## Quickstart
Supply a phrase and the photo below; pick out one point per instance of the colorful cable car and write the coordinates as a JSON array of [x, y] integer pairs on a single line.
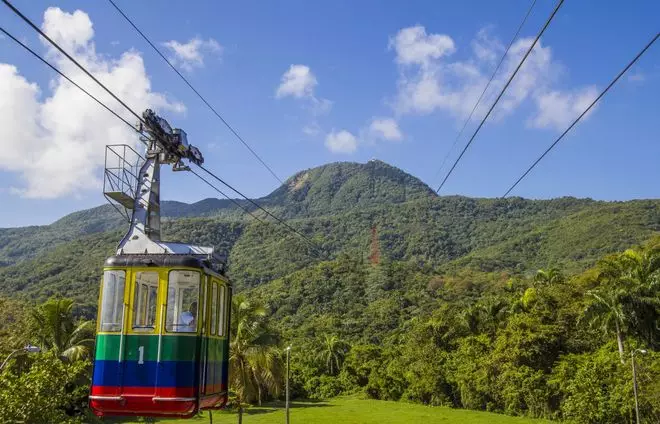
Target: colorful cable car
[[162, 344]]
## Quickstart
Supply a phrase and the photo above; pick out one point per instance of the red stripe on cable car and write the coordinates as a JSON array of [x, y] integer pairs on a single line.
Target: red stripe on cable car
[[172, 392]]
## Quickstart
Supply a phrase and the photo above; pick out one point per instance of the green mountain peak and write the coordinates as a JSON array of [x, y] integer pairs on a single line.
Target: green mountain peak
[[342, 186]]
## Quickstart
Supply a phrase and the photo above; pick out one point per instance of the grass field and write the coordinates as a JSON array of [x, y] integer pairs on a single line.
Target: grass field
[[348, 410]]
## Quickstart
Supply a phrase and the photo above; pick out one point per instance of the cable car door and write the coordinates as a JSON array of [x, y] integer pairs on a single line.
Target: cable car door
[[141, 342]]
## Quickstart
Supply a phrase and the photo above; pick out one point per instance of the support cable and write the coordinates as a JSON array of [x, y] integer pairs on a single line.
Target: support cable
[[258, 206], [227, 197], [38, 30], [35, 54], [531, 47], [215, 112], [469, 118], [128, 124], [68, 56], [582, 114]]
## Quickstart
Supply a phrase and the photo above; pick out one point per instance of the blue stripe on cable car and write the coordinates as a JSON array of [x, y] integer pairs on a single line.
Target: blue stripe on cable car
[[172, 373]]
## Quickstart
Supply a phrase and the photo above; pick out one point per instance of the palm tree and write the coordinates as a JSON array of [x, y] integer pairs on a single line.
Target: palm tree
[[628, 297], [333, 353], [549, 276], [607, 311], [640, 272], [56, 329], [254, 362]]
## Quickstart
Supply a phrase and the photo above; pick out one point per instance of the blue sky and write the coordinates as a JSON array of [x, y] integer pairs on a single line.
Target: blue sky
[[387, 80]]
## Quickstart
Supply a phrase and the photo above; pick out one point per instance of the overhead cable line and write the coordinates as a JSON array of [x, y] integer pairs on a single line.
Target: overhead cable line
[[35, 54], [258, 206], [63, 75], [215, 112], [36, 28], [531, 47], [68, 56], [469, 118], [583, 113], [226, 196]]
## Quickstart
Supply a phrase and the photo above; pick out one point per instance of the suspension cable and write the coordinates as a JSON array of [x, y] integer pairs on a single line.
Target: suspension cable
[[582, 114], [128, 124], [215, 112], [531, 47], [469, 118]]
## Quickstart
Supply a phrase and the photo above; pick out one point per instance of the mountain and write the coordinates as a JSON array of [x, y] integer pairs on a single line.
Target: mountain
[[344, 186], [341, 208]]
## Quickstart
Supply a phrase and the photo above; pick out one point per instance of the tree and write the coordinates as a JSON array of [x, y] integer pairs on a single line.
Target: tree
[[628, 296], [56, 329], [255, 363], [606, 310], [549, 276], [640, 270], [333, 353], [48, 392]]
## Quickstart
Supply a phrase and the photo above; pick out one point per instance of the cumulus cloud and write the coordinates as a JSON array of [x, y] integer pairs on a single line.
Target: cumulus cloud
[[55, 137], [341, 142], [298, 81], [431, 81], [558, 109], [414, 46], [190, 55], [386, 129]]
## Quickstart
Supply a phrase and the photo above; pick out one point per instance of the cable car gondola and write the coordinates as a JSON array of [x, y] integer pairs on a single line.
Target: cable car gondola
[[162, 343]]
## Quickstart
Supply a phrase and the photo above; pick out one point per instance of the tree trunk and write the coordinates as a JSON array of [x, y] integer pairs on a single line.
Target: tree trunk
[[619, 340], [240, 414], [259, 392]]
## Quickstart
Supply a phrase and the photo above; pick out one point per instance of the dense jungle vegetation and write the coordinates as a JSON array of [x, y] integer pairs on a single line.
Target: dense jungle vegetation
[[523, 307]]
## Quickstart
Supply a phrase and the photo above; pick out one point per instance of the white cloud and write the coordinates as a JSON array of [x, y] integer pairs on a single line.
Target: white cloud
[[319, 107], [56, 139], [298, 81], [558, 109], [72, 31], [341, 142], [414, 46], [190, 55], [311, 129], [385, 128], [431, 81], [454, 86]]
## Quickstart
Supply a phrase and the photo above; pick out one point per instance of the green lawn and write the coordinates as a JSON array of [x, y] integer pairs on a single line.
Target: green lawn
[[348, 410]]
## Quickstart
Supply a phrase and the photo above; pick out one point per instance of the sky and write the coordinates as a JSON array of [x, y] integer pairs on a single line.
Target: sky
[[308, 83]]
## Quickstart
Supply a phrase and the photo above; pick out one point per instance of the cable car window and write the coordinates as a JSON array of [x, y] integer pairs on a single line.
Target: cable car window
[[112, 300], [182, 301], [144, 302], [214, 307], [221, 311]]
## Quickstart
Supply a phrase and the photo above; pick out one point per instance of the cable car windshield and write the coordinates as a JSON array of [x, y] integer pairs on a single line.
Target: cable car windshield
[[182, 301], [112, 300], [144, 302]]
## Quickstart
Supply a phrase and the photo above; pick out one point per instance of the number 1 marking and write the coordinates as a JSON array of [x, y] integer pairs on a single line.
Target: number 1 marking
[[141, 358]]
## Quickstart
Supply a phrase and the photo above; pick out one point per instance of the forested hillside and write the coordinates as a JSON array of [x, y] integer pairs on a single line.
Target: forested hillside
[[507, 305], [340, 207]]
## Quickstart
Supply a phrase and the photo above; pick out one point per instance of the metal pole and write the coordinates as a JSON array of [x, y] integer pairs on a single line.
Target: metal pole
[[288, 364], [632, 356], [26, 349]]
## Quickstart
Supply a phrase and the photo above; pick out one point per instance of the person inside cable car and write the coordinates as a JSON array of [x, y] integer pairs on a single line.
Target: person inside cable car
[[188, 319]]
